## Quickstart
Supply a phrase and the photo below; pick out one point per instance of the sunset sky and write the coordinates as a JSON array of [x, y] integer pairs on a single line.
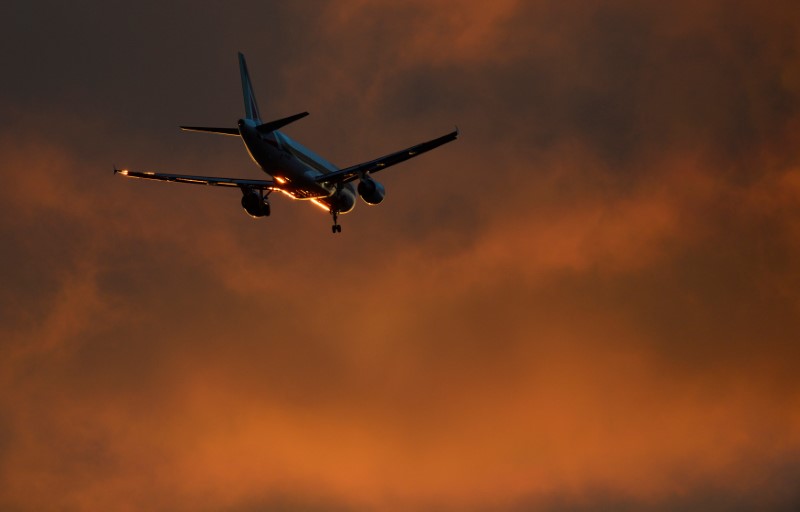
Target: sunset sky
[[590, 301]]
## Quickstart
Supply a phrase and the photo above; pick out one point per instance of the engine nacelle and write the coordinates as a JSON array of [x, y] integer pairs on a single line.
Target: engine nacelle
[[344, 200], [255, 205], [370, 190]]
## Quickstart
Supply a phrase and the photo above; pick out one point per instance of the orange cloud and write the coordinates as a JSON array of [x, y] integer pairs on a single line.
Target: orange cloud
[[588, 301]]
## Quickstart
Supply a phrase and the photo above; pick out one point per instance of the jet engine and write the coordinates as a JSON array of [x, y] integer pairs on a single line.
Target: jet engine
[[370, 190], [344, 200], [255, 204]]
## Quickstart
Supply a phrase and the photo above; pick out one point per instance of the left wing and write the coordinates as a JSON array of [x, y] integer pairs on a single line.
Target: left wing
[[356, 171], [200, 180]]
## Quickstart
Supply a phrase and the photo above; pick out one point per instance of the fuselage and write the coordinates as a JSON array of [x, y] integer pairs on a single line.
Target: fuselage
[[295, 168]]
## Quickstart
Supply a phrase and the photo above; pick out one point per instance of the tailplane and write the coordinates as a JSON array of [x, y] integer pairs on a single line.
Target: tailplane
[[206, 129], [250, 105]]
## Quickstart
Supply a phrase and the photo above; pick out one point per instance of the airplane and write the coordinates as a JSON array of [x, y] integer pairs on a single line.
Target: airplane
[[295, 170]]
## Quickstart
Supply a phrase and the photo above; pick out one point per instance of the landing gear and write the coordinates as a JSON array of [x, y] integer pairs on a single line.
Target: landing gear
[[336, 228]]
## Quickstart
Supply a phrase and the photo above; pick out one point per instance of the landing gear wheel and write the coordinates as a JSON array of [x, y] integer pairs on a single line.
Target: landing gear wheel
[[336, 228]]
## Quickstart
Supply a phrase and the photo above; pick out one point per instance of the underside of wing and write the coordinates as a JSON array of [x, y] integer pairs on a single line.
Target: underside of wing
[[200, 180], [354, 172]]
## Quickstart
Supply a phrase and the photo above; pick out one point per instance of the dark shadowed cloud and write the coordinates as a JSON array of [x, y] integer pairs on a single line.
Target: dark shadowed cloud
[[590, 301]]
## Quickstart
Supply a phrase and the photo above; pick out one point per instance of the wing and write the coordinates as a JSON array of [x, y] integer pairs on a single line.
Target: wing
[[200, 180], [373, 166]]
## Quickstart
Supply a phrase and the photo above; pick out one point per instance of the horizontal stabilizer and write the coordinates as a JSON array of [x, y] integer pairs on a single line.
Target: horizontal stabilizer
[[218, 131], [280, 123]]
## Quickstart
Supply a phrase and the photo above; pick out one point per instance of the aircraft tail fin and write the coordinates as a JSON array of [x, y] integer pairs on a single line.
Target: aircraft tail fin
[[250, 105]]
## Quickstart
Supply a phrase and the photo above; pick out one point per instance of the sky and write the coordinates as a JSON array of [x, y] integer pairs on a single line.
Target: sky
[[590, 301]]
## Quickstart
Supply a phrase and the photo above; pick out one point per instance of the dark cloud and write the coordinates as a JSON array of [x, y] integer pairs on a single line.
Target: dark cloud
[[589, 301]]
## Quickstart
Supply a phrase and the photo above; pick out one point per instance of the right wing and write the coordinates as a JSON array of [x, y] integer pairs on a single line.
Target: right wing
[[200, 180], [356, 171]]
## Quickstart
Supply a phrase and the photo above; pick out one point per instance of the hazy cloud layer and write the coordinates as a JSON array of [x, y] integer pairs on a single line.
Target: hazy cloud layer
[[589, 301]]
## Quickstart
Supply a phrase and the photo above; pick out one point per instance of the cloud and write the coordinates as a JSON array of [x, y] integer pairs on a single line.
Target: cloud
[[590, 300]]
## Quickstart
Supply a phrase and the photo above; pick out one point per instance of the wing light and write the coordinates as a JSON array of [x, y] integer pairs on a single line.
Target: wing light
[[321, 205]]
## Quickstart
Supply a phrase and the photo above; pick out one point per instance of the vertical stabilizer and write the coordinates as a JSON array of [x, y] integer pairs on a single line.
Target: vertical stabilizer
[[250, 105]]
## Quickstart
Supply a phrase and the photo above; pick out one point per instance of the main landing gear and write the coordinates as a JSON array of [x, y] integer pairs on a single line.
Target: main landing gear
[[336, 228]]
